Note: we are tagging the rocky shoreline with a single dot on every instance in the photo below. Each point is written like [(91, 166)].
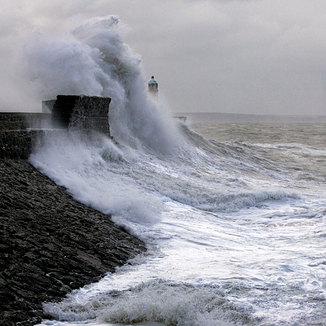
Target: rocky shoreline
[(50, 244)]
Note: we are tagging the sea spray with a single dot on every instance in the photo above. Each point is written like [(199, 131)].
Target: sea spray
[(87, 167), (229, 240), (156, 301), (259, 263), (93, 60)]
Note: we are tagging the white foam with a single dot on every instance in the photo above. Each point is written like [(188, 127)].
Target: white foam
[(93, 60), (241, 238), (84, 168), (149, 303)]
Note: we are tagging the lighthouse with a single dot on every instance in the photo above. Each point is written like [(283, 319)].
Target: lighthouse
[(153, 86)]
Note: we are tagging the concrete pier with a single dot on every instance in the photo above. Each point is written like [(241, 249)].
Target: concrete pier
[(82, 112), (20, 131)]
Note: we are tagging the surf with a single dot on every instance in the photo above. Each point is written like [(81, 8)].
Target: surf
[(230, 236)]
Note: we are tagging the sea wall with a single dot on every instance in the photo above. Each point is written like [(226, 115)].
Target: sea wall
[(50, 244), (19, 132), (82, 112)]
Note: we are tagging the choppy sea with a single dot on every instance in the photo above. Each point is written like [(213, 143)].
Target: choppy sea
[(235, 223), (233, 212)]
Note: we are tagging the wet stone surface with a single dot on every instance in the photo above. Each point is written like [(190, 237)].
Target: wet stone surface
[(50, 244)]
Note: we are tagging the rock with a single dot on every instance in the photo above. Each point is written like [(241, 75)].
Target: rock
[(19, 132), (50, 243), (82, 112)]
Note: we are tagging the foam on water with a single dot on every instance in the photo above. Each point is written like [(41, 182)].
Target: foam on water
[(251, 248), (82, 167), (235, 231)]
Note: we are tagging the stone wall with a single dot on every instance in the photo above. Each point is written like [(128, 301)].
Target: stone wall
[(19, 131), (50, 244), (82, 112), (16, 143), (22, 121)]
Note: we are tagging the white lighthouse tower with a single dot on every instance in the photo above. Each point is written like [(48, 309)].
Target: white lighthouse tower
[(153, 86)]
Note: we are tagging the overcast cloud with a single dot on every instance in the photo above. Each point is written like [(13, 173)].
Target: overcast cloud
[(259, 56)]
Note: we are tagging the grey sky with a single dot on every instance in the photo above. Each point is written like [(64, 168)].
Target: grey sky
[(258, 56)]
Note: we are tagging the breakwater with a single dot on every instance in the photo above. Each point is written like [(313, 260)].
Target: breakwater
[(50, 244), (19, 132)]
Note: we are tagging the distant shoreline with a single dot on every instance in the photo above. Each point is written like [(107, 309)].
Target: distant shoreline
[(220, 117)]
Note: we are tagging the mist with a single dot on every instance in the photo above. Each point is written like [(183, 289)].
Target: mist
[(258, 57)]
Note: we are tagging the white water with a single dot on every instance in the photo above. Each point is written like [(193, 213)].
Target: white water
[(235, 229)]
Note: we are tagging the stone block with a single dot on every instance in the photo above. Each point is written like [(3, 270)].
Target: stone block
[(20, 131), (82, 112)]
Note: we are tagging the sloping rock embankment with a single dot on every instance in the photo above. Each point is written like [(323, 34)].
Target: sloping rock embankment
[(50, 243)]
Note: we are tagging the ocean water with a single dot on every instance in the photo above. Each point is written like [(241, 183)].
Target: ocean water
[(235, 227), (233, 214)]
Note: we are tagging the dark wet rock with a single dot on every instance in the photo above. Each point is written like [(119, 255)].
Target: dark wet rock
[(50, 243), (23, 120), (19, 131), (82, 112)]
